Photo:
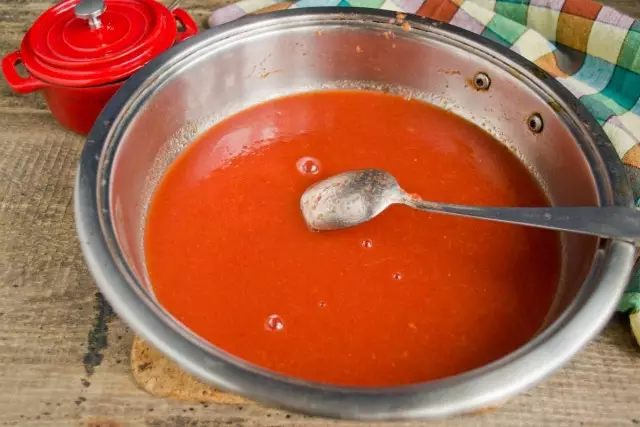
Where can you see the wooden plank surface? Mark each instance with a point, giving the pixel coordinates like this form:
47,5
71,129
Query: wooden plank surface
64,355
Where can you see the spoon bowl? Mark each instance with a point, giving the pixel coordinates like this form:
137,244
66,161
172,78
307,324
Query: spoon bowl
349,199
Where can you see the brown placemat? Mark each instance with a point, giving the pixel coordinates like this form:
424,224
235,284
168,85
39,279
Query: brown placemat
161,377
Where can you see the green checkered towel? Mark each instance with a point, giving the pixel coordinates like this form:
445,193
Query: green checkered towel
593,50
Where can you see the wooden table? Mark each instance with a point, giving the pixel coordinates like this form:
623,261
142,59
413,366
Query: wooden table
64,355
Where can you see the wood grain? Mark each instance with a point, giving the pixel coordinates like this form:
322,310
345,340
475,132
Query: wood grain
64,357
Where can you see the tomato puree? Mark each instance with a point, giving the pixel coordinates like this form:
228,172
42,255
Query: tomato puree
405,298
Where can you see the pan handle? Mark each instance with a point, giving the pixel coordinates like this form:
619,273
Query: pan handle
18,83
189,25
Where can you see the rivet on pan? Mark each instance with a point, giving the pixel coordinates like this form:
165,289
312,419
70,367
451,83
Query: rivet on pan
481,81
535,123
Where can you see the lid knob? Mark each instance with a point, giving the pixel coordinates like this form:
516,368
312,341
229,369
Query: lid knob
91,11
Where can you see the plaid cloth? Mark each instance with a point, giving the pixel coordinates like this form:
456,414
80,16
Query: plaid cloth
593,50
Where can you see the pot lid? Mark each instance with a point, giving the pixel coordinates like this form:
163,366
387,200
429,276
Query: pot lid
92,42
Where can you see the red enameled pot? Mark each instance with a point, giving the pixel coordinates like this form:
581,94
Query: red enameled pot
79,53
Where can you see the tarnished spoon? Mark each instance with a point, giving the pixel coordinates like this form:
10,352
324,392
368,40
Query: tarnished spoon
354,197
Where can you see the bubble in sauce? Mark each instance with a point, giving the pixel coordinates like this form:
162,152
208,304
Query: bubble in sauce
308,166
396,276
274,323
322,304
367,243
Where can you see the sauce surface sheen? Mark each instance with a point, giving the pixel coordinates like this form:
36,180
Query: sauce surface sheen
406,298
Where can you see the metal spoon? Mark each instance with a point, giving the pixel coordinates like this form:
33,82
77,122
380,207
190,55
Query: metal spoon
354,197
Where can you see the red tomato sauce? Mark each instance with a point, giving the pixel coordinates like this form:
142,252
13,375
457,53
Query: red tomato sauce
406,298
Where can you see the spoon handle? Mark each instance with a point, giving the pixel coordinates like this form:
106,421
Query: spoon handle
609,221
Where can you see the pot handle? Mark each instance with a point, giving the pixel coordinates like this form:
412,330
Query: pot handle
18,83
189,25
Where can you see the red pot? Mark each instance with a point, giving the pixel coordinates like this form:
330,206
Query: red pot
79,52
